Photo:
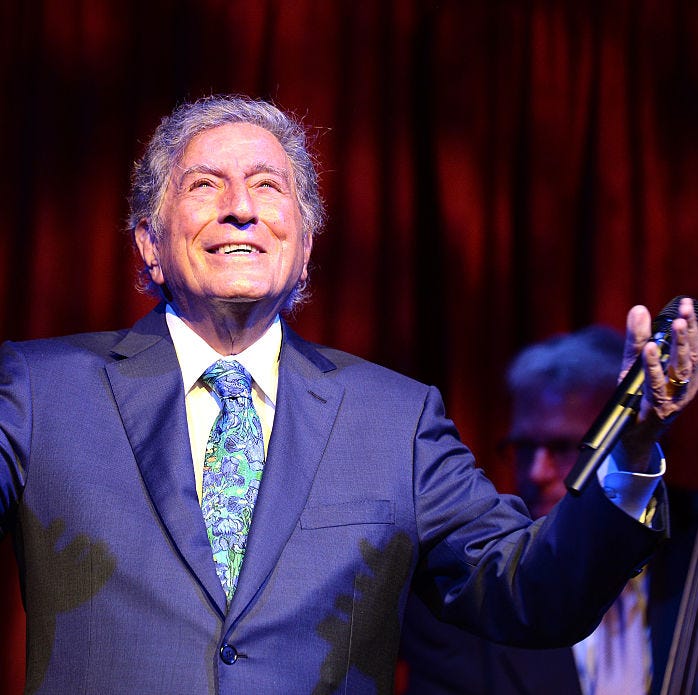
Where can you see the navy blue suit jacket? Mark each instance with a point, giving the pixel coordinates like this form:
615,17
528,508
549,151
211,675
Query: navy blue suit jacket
366,488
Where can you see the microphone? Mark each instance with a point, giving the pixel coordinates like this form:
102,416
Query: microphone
622,406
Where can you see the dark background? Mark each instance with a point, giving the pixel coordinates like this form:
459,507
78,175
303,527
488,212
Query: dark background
495,171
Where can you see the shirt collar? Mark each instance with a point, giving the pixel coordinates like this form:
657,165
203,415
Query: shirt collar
195,355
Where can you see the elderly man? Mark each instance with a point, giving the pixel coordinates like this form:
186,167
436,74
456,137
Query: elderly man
208,503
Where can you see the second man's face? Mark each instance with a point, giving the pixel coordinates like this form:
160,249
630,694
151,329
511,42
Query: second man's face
546,430
232,228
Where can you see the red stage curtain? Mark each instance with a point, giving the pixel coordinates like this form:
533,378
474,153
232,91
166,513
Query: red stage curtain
494,171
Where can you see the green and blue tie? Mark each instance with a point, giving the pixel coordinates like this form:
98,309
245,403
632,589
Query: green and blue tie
232,469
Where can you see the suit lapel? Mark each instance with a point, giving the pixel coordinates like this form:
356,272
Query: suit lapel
296,447
147,387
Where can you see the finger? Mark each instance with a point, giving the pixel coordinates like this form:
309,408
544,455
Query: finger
680,366
687,312
683,360
638,329
655,379
656,390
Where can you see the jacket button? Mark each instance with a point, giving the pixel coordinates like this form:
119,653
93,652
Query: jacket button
229,654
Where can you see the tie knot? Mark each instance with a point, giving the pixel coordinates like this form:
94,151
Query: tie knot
229,379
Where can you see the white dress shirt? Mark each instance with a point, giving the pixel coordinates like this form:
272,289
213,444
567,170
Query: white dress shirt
195,355
616,659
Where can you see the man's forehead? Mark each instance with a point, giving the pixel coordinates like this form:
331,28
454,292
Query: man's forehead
552,410
244,144
236,137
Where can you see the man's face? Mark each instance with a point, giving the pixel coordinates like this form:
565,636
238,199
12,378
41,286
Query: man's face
545,434
231,225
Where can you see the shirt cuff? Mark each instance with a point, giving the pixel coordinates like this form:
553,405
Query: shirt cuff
632,492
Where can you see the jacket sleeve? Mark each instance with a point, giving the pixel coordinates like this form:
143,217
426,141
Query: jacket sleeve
487,567
15,431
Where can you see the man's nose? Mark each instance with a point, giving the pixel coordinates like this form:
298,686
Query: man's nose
237,206
543,468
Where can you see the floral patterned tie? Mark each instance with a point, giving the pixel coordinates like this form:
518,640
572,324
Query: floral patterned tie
232,469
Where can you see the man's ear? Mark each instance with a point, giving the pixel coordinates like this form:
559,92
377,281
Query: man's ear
307,250
148,248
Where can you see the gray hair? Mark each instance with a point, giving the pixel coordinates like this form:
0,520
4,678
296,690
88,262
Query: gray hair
588,360
151,174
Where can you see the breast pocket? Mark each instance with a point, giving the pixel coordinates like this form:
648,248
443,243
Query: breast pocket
348,514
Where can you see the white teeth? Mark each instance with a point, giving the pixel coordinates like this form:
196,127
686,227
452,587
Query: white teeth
235,248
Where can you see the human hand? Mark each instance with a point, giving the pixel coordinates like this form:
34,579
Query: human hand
670,381
668,387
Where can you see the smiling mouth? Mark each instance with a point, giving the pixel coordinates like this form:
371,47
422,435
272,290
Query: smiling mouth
237,249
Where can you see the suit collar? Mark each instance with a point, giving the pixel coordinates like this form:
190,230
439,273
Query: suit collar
145,332
294,342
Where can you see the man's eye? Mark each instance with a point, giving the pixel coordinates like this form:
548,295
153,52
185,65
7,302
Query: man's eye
269,183
200,183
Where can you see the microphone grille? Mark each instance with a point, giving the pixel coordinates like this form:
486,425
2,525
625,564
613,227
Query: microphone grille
662,321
